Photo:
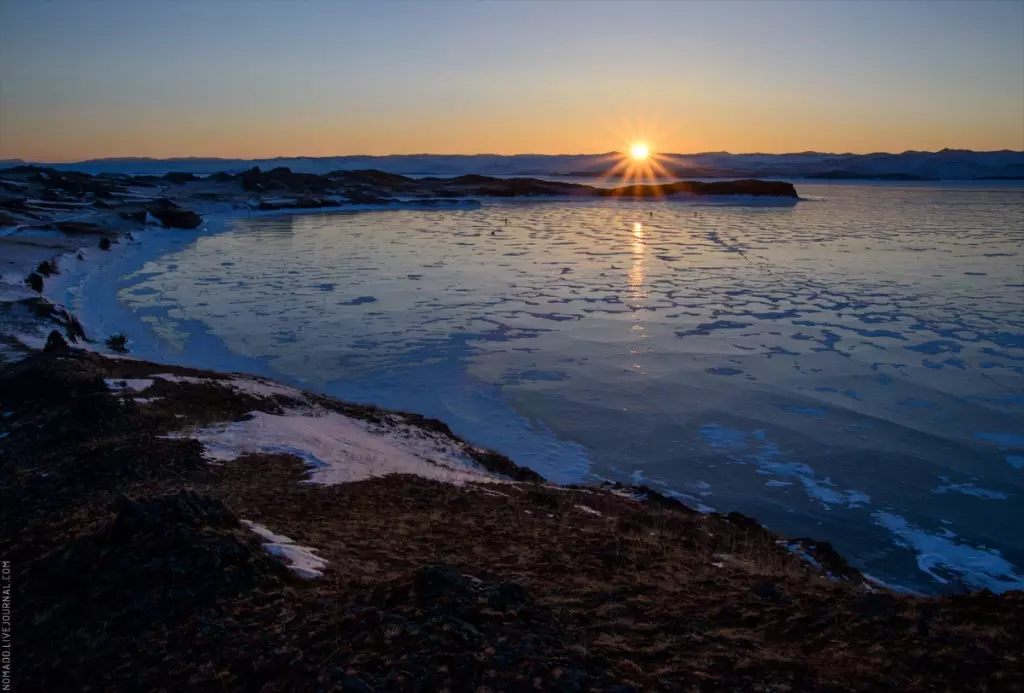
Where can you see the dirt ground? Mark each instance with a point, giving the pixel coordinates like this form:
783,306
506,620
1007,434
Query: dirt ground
132,571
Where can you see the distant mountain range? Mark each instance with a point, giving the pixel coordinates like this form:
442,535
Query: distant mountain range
948,164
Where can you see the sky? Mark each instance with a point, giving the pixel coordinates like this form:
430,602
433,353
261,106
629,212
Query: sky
261,78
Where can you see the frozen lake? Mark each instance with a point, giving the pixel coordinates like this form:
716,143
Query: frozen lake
849,368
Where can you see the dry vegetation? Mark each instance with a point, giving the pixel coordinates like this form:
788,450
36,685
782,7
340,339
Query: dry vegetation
127,582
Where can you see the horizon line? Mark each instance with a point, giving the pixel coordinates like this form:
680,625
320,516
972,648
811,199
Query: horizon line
490,154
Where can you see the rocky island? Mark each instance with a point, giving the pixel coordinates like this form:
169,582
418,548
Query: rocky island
180,529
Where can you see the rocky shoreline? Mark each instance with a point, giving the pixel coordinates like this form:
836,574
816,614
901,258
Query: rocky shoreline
173,528
53,220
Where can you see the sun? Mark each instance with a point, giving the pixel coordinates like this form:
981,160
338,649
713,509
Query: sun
639,151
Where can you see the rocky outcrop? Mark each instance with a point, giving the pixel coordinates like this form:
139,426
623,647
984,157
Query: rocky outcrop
756,188
179,177
283,179
172,216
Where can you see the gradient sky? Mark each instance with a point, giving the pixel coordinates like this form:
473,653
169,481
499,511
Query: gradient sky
258,78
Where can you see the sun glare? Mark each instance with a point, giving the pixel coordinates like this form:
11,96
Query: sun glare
639,151
636,163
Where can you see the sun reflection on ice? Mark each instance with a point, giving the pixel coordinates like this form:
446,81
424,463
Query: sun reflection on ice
637,272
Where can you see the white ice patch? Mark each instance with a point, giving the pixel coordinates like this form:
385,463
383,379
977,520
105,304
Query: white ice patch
979,567
630,495
131,384
589,511
723,438
1004,440
801,551
300,559
664,489
768,460
250,386
342,449
971,490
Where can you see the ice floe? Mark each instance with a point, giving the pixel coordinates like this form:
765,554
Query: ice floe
946,560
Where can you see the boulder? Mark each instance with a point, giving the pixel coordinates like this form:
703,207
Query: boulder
55,342
180,177
80,227
250,179
172,216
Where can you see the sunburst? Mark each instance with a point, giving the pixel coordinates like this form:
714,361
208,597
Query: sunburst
641,165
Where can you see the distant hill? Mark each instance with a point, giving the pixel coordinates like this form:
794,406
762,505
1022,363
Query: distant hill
947,164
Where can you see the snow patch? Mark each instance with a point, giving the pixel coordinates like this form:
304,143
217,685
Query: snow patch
589,511
340,449
300,559
128,384
250,386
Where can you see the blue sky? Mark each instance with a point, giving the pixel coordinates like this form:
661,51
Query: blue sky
255,78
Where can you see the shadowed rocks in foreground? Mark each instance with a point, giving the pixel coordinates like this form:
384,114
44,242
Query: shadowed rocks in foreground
134,569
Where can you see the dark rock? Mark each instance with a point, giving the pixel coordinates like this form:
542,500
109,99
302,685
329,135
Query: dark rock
759,188
871,606
74,327
160,514
47,268
250,179
744,522
433,581
373,178
55,342
179,177
354,684
769,591
35,282
172,216
138,216
222,177
829,559
80,227
358,197
118,343
104,243
500,464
